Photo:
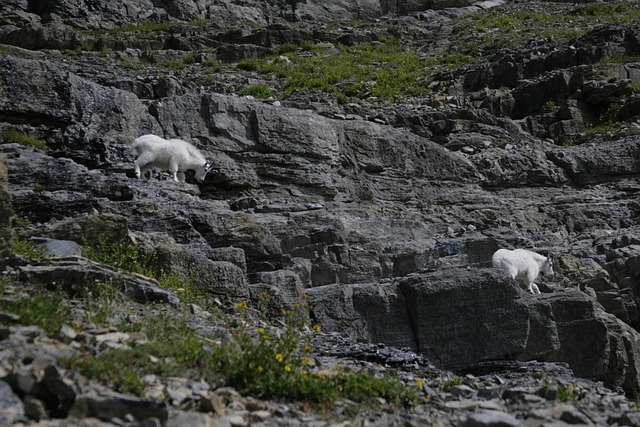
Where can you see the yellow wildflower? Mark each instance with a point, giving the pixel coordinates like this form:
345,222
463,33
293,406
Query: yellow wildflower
260,330
419,383
279,357
316,328
241,304
260,369
287,368
307,348
306,361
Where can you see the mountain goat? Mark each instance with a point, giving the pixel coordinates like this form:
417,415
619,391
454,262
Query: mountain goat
173,155
523,264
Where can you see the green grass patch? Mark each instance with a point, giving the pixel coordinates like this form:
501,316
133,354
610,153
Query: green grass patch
383,70
495,30
143,28
260,362
48,310
604,10
260,91
621,59
130,257
25,248
23,139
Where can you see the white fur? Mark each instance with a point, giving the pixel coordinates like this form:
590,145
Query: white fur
173,155
522,264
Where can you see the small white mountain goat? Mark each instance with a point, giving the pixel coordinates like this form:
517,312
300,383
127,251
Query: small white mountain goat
173,155
523,264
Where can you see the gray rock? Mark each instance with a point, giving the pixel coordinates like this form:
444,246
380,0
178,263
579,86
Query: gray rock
35,408
11,407
491,418
116,405
5,214
70,272
57,248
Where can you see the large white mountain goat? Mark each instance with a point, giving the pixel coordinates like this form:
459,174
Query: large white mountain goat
173,155
523,264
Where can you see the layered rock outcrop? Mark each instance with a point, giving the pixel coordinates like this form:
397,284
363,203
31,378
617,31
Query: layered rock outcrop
383,218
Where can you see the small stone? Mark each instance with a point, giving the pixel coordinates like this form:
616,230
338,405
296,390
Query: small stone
6,318
35,409
462,390
253,404
461,405
491,419
488,393
192,419
573,416
120,337
260,415
211,402
66,334
235,420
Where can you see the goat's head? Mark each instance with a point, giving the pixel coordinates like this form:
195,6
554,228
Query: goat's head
201,173
547,267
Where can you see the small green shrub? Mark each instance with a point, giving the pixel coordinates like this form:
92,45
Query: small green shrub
23,139
47,310
125,256
602,9
260,91
212,64
25,248
251,64
130,257
18,221
143,27
564,393
451,380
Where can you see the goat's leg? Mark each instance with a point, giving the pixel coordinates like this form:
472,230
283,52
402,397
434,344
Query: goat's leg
533,288
141,164
173,168
180,176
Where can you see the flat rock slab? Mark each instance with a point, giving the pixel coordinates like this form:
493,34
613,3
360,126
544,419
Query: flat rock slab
78,271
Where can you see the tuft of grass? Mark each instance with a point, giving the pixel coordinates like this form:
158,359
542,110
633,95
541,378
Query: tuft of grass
26,249
130,257
564,393
125,256
451,380
260,91
143,28
602,9
47,310
23,139
621,59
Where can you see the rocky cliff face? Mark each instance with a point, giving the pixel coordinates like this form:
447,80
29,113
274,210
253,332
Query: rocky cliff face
383,216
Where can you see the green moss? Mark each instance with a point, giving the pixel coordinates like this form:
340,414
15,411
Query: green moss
23,139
